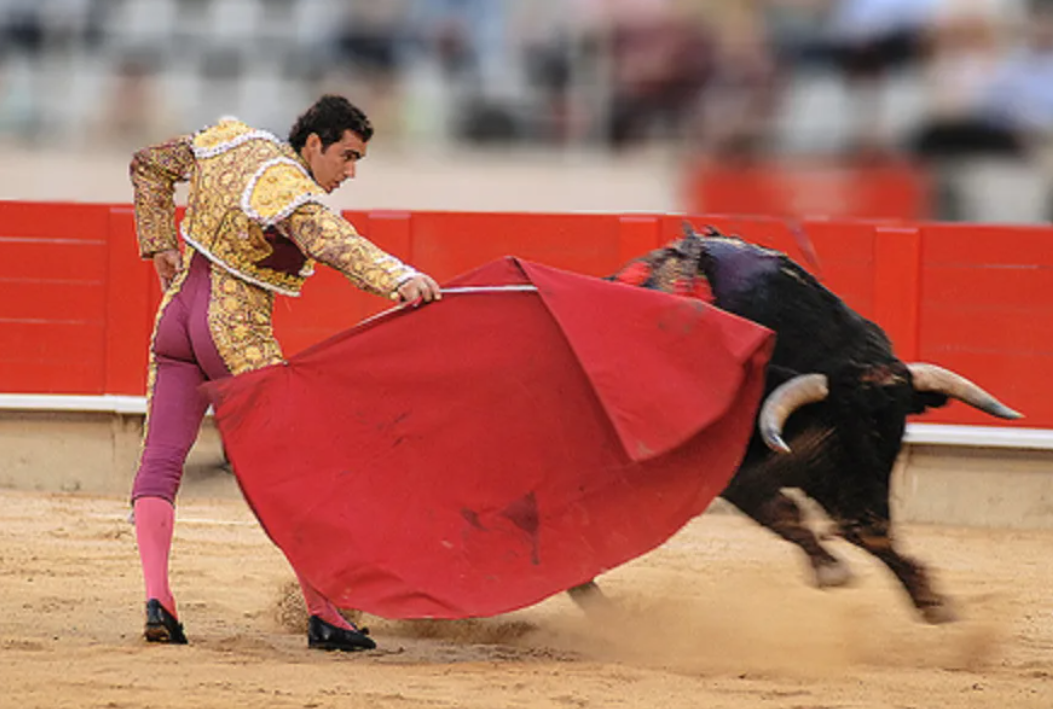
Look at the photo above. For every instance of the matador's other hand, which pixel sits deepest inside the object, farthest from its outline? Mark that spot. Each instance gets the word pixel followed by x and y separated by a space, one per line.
pixel 420 286
pixel 167 264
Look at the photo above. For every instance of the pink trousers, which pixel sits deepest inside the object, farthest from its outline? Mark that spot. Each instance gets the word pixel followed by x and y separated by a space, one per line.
pixel 184 358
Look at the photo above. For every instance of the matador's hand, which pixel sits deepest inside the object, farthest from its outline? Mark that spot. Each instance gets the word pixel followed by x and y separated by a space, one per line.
pixel 420 286
pixel 167 264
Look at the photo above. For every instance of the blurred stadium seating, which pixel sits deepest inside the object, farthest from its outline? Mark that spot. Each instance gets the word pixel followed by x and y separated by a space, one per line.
pixel 538 77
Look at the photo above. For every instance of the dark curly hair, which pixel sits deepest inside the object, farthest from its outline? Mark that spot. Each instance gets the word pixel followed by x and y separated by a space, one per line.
pixel 329 117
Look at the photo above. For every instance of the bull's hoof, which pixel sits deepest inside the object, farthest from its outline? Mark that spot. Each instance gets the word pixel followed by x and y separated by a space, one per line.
pixel 939 613
pixel 833 575
pixel 590 598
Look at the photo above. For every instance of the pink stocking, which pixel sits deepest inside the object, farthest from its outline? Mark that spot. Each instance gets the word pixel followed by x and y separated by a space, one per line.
pixel 319 605
pixel 154 518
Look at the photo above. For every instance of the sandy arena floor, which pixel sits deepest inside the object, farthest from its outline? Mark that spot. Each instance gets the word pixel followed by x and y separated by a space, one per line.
pixel 718 617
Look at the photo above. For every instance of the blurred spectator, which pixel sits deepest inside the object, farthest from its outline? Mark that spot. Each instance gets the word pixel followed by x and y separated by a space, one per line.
pixel 372 36
pixel 966 48
pixel 871 37
pixel 467 41
pixel 977 149
pixel 798 30
pixel 660 56
pixel 22 27
pixel 614 73
pixel 371 47
pixel 550 68
pixel 135 111
pixel 67 22
pixel 472 36
pixel 870 40
pixel 1020 98
pixel 563 67
pixel 20 111
pixel 741 90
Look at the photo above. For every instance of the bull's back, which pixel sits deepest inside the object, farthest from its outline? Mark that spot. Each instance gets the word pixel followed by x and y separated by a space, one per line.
pixel 815 330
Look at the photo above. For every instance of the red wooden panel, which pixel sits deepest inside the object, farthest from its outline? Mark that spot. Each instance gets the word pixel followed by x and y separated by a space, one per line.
pixel 392 232
pixel 446 244
pixel 132 292
pixel 52 306
pixel 853 284
pixel 64 301
pixel 51 357
pixel 983 287
pixel 962 244
pixel 637 235
pixel 846 260
pixel 53 220
pixel 52 259
pixel 897 286
pixel 842 242
pixel 53 341
pixel 990 329
pixel 329 304
pixel 1015 379
pixel 33 377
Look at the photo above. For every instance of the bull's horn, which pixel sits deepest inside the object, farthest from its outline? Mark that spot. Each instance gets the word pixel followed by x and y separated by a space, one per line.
pixel 781 403
pixel 929 377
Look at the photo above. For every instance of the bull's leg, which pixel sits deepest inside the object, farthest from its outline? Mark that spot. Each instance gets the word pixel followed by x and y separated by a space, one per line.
pixel 875 537
pixel 779 513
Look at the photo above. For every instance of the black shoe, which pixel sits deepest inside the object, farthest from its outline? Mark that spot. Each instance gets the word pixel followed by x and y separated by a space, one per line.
pixel 325 636
pixel 161 627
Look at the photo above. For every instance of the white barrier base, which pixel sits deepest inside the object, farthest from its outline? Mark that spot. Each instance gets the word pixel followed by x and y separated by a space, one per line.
pixel 917 433
pixel 74 403
pixel 979 436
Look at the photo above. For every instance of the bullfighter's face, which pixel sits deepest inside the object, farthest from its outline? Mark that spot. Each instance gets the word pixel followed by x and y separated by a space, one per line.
pixel 337 162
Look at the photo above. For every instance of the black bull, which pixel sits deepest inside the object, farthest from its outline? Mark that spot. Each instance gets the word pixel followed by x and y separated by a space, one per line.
pixel 835 411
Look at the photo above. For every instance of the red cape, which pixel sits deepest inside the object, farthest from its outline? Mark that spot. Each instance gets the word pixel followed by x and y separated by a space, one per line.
pixel 479 454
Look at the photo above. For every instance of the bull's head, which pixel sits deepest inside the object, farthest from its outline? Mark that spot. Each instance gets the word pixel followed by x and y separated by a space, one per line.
pixel 812 388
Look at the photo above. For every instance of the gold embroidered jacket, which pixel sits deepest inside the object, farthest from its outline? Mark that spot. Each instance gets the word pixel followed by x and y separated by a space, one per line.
pixel 253 209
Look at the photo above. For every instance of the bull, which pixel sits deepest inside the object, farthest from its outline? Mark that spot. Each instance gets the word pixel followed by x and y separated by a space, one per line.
pixel 836 404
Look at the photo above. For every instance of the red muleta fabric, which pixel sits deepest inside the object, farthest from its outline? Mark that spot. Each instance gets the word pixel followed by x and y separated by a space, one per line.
pixel 477 455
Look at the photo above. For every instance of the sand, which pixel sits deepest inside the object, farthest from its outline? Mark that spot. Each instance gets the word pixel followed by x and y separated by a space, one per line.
pixel 720 616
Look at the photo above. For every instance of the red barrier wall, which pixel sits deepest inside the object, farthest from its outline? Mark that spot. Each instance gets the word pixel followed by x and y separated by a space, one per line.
pixel 76 303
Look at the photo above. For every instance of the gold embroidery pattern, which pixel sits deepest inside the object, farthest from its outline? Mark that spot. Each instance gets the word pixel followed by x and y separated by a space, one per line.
pixel 218 226
pixel 332 240
pixel 154 171
pixel 279 187
pixel 240 320
pixel 230 133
